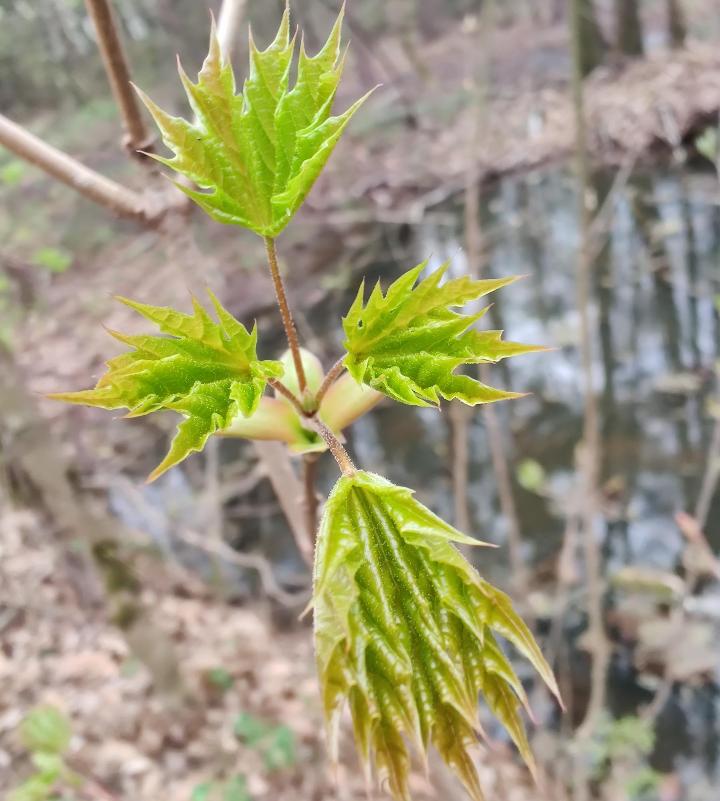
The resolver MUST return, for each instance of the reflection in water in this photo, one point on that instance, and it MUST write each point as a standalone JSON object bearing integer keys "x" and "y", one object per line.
{"x": 654, "y": 285}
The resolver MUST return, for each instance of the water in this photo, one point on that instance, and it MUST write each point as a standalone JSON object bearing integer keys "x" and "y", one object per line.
{"x": 656, "y": 324}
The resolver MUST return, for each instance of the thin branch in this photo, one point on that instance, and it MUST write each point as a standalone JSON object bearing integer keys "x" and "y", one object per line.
{"x": 118, "y": 72}
{"x": 92, "y": 185}
{"x": 288, "y": 490}
{"x": 310, "y": 496}
{"x": 288, "y": 323}
{"x": 286, "y": 393}
{"x": 501, "y": 469}
{"x": 335, "y": 447}
{"x": 332, "y": 375}
{"x": 231, "y": 14}
{"x": 589, "y": 454}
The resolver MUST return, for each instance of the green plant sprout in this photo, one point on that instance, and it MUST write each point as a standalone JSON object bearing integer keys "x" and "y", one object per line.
{"x": 45, "y": 732}
{"x": 405, "y": 627}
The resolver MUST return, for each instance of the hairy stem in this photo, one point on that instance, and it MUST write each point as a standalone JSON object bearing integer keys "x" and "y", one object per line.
{"x": 288, "y": 323}
{"x": 286, "y": 393}
{"x": 335, "y": 447}
{"x": 329, "y": 380}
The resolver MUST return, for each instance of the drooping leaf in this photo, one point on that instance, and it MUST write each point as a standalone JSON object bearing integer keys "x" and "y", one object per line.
{"x": 404, "y": 633}
{"x": 258, "y": 152}
{"x": 207, "y": 371}
{"x": 409, "y": 342}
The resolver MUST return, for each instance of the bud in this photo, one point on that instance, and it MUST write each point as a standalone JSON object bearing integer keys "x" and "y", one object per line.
{"x": 405, "y": 633}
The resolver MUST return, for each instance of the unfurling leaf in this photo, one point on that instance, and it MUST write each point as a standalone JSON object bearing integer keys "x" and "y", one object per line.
{"x": 260, "y": 151}
{"x": 405, "y": 633}
{"x": 207, "y": 371}
{"x": 408, "y": 343}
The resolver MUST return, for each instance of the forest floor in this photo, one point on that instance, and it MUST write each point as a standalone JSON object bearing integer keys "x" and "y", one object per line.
{"x": 249, "y": 703}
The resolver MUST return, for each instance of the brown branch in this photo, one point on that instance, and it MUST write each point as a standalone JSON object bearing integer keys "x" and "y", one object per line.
{"x": 310, "y": 496}
{"x": 288, "y": 323}
{"x": 286, "y": 393}
{"x": 589, "y": 453}
{"x": 92, "y": 185}
{"x": 332, "y": 375}
{"x": 339, "y": 453}
{"x": 118, "y": 72}
{"x": 288, "y": 489}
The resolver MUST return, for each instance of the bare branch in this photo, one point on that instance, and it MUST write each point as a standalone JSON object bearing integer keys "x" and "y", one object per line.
{"x": 94, "y": 186}
{"x": 118, "y": 72}
{"x": 289, "y": 491}
{"x": 231, "y": 14}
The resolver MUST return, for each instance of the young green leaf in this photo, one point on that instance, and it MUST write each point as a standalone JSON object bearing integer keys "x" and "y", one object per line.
{"x": 207, "y": 371}
{"x": 408, "y": 343}
{"x": 404, "y": 633}
{"x": 258, "y": 152}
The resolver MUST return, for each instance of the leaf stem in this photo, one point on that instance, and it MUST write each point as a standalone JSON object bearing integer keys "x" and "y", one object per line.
{"x": 286, "y": 393}
{"x": 335, "y": 447}
{"x": 288, "y": 323}
{"x": 329, "y": 379}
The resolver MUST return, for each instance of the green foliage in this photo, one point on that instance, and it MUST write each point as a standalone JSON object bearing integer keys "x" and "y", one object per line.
{"x": 408, "y": 343}
{"x": 259, "y": 152}
{"x": 235, "y": 789}
{"x": 207, "y": 371}
{"x": 47, "y": 730}
{"x": 220, "y": 679}
{"x": 52, "y": 259}
{"x": 531, "y": 475}
{"x": 405, "y": 632}
{"x": 275, "y": 743}
{"x": 621, "y": 746}
{"x": 12, "y": 172}
{"x": 46, "y": 733}
{"x": 707, "y": 144}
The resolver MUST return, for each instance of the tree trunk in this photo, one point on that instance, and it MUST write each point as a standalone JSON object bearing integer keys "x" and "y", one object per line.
{"x": 629, "y": 39}
{"x": 592, "y": 44}
{"x": 677, "y": 26}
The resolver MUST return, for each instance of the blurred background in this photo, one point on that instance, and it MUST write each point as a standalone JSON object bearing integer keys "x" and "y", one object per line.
{"x": 149, "y": 634}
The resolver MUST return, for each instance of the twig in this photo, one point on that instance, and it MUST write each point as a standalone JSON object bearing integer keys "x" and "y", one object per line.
{"x": 217, "y": 547}
{"x": 589, "y": 454}
{"x": 332, "y": 375}
{"x": 334, "y": 446}
{"x": 94, "y": 186}
{"x": 118, "y": 72}
{"x": 310, "y": 497}
{"x": 287, "y": 489}
{"x": 231, "y": 14}
{"x": 459, "y": 420}
{"x": 287, "y": 319}
{"x": 501, "y": 469}
{"x": 710, "y": 478}
{"x": 286, "y": 393}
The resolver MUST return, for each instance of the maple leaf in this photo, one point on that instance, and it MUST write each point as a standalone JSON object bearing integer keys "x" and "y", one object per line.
{"x": 408, "y": 342}
{"x": 405, "y": 633}
{"x": 207, "y": 371}
{"x": 260, "y": 151}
